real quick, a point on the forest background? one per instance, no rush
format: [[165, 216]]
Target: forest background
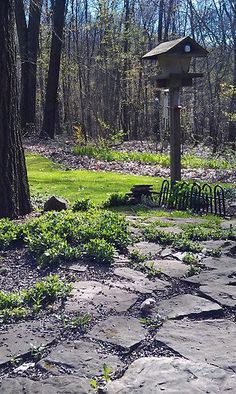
[[104, 91]]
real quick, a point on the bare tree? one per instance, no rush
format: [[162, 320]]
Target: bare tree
[[28, 36], [14, 196], [50, 108]]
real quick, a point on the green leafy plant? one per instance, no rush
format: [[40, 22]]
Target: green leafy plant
[[152, 234], [185, 245], [190, 259], [193, 270], [152, 323], [20, 304], [9, 233], [137, 257], [150, 270], [215, 252], [100, 251], [77, 321], [60, 237], [82, 205], [98, 382], [116, 200]]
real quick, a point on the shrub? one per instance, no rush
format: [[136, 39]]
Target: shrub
[[82, 205], [116, 200]]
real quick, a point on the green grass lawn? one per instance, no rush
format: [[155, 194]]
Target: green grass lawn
[[47, 177]]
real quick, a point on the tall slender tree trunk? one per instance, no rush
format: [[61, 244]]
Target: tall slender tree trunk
[[28, 36], [49, 119], [14, 195], [125, 101]]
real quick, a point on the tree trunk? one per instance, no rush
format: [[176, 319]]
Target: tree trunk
[[28, 37], [14, 196], [54, 70]]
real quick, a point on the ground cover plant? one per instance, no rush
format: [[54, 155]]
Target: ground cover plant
[[163, 159], [30, 301], [60, 237], [188, 240]]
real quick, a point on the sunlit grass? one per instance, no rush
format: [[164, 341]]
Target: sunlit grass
[[162, 159], [47, 177]]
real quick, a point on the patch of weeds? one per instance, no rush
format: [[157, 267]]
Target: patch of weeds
[[190, 259], [9, 233], [60, 237], [100, 251], [37, 352], [193, 270], [15, 313], [162, 223], [82, 205], [152, 234], [98, 382], [136, 257], [216, 252], [21, 304], [46, 292], [80, 321], [117, 200], [152, 323], [16, 360], [201, 232], [104, 152], [186, 245], [150, 270]]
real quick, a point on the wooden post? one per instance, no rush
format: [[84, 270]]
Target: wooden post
[[175, 135]]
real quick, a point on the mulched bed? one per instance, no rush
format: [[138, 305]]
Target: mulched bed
[[61, 151]]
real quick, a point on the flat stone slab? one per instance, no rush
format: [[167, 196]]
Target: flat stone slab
[[187, 305], [211, 341], [171, 268], [149, 249], [67, 384], [223, 263], [123, 331], [19, 339], [84, 359], [210, 276], [138, 281], [228, 247], [172, 375], [78, 267], [223, 294], [95, 298], [172, 230], [177, 221]]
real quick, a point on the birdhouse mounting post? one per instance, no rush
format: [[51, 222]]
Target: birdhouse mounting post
[[175, 135], [174, 58]]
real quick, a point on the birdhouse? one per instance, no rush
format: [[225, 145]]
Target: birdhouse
[[174, 58]]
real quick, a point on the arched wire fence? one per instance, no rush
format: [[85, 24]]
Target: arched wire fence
[[184, 196]]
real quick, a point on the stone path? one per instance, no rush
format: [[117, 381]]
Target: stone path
[[185, 344]]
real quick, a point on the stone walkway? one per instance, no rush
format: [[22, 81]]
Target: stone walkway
[[186, 344]]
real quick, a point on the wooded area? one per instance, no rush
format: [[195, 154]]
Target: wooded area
[[104, 89]]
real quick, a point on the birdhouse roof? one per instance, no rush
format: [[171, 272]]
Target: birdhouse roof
[[177, 47]]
